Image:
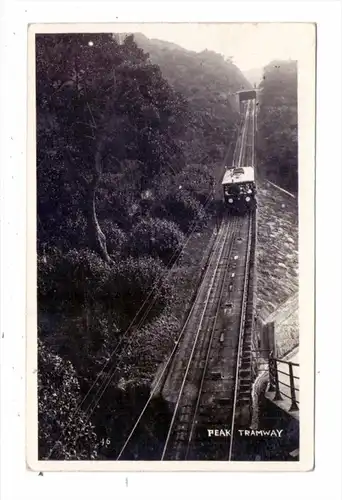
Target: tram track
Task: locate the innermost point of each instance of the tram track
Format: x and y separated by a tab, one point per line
209	386
244	136
198	309
203	319
207	379
208	397
250	137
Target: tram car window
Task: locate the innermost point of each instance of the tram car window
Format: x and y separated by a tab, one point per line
239	191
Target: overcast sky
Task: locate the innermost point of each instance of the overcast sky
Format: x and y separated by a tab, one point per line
250	45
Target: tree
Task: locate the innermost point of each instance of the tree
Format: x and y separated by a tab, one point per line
158	238
209	83
64	430
198	180
132	282
98	103
181	207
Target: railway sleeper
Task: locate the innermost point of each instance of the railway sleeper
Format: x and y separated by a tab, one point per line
181	434
181	428
223	400
205	416
245	364
244	399
184	416
216	417
245	385
245	372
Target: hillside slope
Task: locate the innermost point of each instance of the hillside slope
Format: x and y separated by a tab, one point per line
123	172
209	83
278	124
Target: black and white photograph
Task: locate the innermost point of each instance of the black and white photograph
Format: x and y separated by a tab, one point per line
171	203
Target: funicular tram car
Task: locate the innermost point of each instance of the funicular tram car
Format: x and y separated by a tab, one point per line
239	190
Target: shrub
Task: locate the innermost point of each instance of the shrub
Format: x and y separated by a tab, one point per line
70	276
156	237
63	429
83	283
130	282
198	181
115	237
180	207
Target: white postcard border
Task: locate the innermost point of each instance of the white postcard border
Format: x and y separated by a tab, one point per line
19	481
306	133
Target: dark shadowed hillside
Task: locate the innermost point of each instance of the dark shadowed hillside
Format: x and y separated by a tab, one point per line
278	124
209	83
127	155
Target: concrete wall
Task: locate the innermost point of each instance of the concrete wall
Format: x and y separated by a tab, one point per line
278	332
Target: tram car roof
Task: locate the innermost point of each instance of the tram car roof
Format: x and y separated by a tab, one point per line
238	175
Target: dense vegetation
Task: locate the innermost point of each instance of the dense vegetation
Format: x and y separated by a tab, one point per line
126	159
209	83
278	124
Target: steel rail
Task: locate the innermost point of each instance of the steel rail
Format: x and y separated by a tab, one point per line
194	345
253	136
241	333
214	249
238	140
241	146
229	252
243	137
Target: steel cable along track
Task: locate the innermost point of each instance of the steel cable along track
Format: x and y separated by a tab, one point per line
213	376
242	378
209	394
188	366
198	350
202	290
226	385
178	364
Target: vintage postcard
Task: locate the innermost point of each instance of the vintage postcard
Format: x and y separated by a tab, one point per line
170	272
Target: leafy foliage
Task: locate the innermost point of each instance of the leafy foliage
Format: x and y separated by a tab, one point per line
160	238
209	83
116	237
125	156
64	430
82	278
99	103
68	277
131	281
180	207
197	180
278	145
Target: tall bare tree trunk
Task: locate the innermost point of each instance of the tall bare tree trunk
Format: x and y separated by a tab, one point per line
96	236
97	239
